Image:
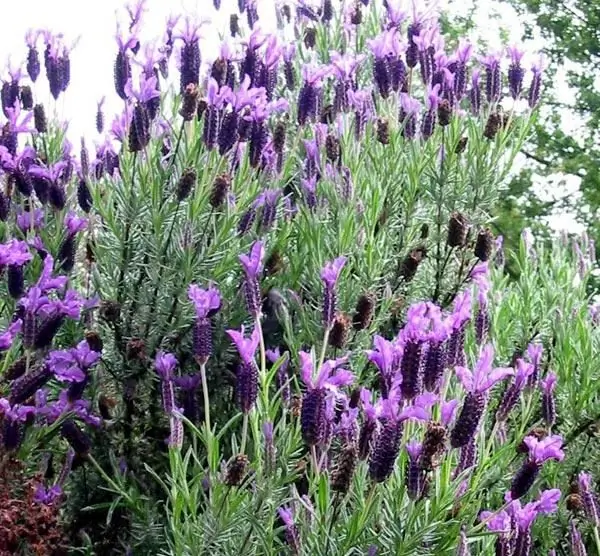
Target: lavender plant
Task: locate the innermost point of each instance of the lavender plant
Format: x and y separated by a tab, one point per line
268	313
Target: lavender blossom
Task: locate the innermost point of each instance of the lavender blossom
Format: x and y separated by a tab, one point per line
493	77
190	54
319	396
33	56
513	392
539	451
548	384
385	357
165	364
387	445
330	275
515	71
428	122
206	304
462	56
534	94
588	496
477	383
475	93
308	97
415	476
253	267
72	365
246	387
409	108
292	536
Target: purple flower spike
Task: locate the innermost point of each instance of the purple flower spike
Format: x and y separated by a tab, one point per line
493	77
515	71
512	393
330	275
589	498
253	268
190	54
548	384
415	476
385	358
577	544
292	537
477	384
315	418
539	452
247	373
475	93
536	83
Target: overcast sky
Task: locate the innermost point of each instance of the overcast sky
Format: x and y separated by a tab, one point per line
94	24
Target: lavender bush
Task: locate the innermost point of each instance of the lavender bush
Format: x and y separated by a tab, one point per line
267	313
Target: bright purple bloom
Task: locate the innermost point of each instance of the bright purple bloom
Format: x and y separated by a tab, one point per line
512	393
539	451
72	365
577	544
475	93
253	267
165	364
292	537
493	77
477	384
385	357
206	302
7	337
515	71
330	275
247	374
409	109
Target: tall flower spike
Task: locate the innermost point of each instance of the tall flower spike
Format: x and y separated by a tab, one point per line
577	545
535	88
330	275
477	384
513	392
515	71
206	304
547	385
247	373
588	496
292	536
314	417
253	265
190	54
539	451
493	77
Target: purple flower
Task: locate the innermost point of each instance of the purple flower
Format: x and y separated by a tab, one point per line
253	267
206	302
47	496
330	275
247	375
385	358
246	346
318	399
533	97
515	71
462	56
409	109
512	393
476	384
165	363
493	77
7	337
190	53
475	93
292	537
415	476
72	365
25	218
589	498
74	223
539	451
548	384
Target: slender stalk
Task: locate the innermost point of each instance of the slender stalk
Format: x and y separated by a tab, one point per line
206	414
440	198
596	539
244	433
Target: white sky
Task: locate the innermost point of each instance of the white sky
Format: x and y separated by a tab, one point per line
94	22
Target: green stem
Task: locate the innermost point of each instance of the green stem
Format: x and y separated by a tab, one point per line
597	539
244	432
206	414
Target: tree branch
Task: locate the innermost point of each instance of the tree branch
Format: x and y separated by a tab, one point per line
548	163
